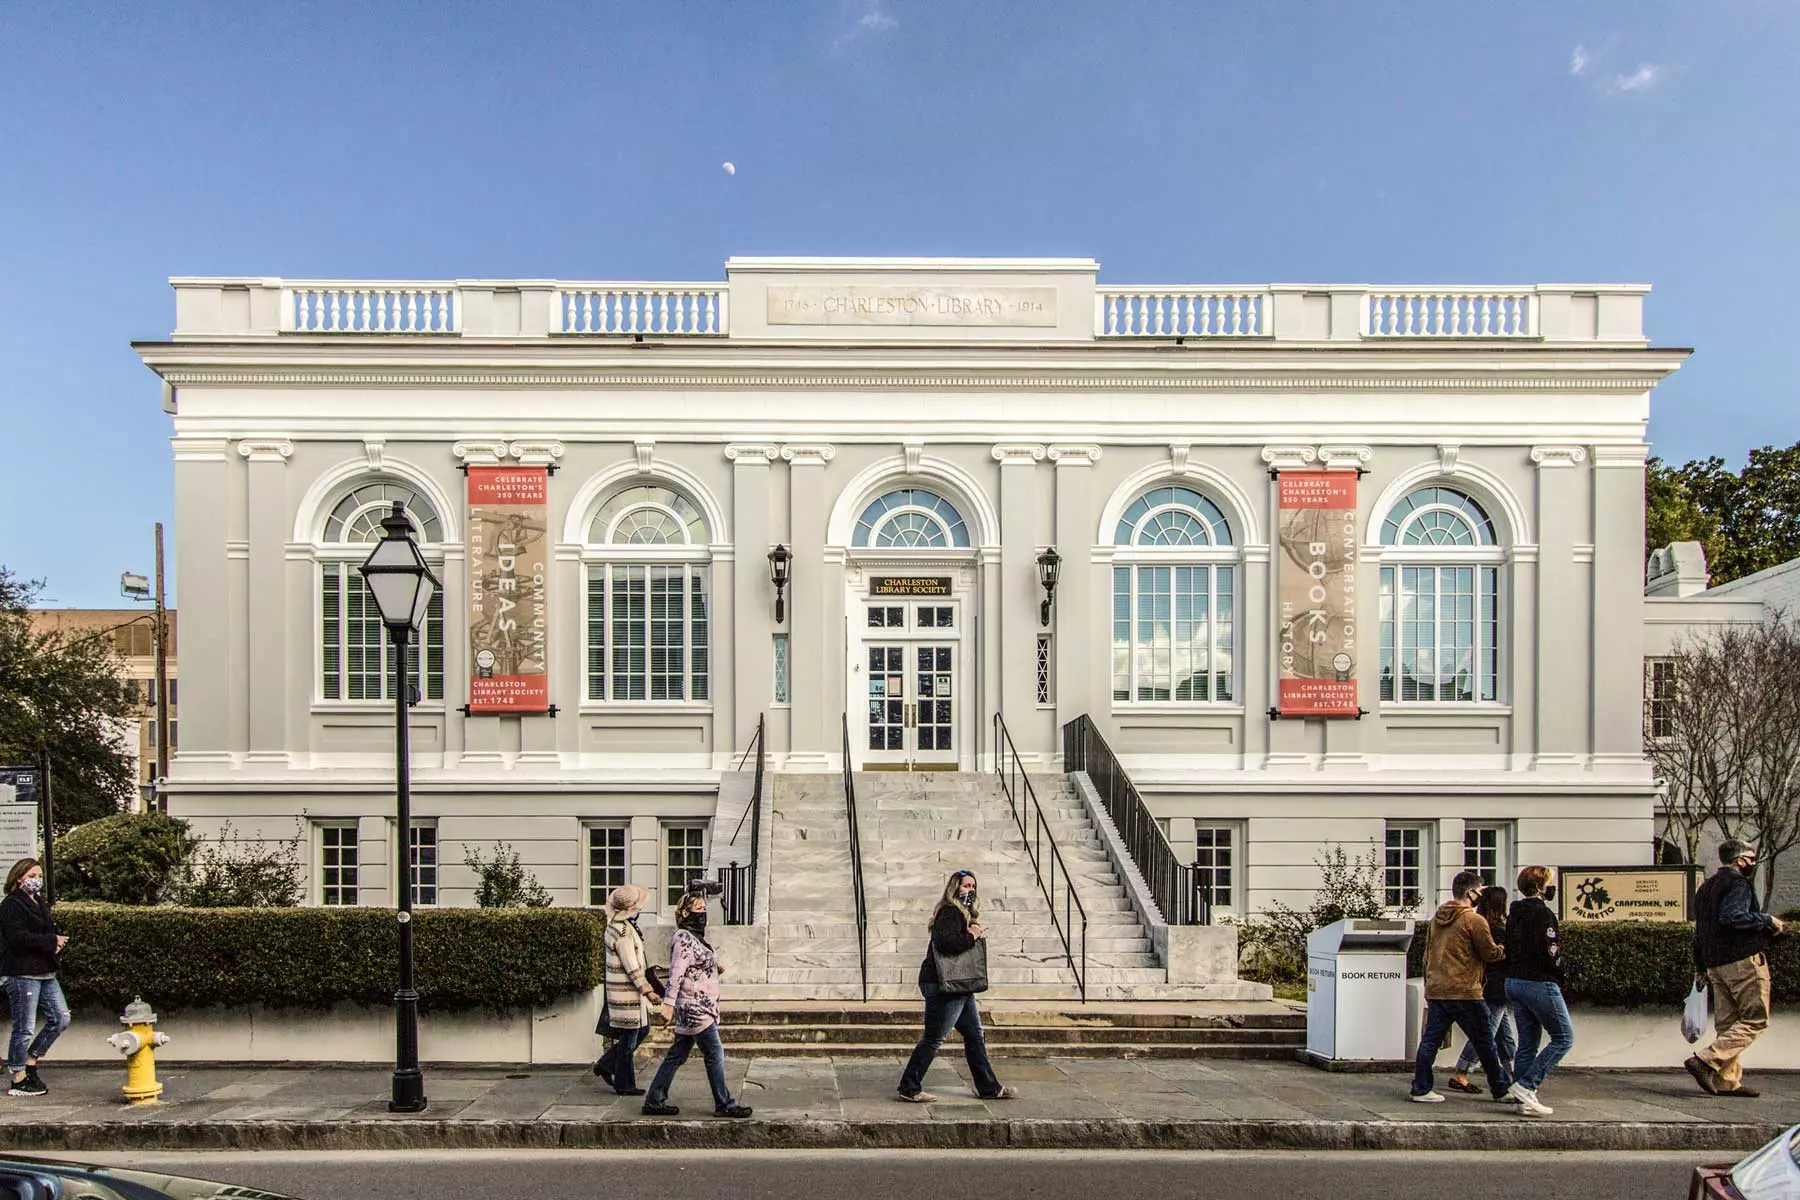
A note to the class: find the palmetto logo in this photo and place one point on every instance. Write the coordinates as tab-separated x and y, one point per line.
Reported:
1591	896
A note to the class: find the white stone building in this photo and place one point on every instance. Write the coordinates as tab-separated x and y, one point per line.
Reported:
921	420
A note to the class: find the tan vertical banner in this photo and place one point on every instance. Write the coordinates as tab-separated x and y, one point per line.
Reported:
1316	587
509	583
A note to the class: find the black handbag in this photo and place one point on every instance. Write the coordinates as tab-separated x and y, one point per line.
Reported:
962	974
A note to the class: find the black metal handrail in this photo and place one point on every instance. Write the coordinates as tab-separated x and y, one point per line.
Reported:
1038	840
856	871
1175	887
739	897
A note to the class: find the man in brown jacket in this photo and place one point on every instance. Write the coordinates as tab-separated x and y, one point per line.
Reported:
1458	948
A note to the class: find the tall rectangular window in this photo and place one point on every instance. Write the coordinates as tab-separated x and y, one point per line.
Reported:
337	865
608	861
1172	633
1215	858
648	632
357	657
781	668
684	857
1486	845
422	847
1659	698
1440	634
1406	868
1043	669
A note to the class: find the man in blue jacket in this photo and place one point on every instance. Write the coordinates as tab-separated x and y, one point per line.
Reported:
1730	934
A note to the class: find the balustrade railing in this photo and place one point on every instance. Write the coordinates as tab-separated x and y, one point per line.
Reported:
1180	312
371	308
739	898
1040	847
1451	313
1175	887
663	309
856	870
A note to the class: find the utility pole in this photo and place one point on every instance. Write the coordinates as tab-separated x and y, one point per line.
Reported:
162	677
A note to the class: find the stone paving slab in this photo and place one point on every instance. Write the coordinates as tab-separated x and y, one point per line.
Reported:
822	1102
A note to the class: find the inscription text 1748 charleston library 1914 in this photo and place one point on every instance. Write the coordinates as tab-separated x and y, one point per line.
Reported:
878	305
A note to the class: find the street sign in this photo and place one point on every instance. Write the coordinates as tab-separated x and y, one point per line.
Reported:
18	832
25	782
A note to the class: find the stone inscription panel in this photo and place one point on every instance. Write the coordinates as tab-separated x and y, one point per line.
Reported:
967	307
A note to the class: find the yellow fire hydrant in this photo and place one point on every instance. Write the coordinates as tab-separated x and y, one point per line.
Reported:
138	1042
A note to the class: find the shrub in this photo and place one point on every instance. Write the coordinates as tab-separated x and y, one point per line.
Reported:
240	873
502	882
313	958
128	858
1272	946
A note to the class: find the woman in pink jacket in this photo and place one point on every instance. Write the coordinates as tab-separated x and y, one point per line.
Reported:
691	1001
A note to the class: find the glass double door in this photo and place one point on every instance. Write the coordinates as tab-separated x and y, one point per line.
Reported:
910	671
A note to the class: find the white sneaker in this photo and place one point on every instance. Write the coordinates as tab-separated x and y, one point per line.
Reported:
1427	1098
1530	1105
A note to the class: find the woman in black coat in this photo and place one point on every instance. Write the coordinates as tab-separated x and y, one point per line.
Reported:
29	945
954	930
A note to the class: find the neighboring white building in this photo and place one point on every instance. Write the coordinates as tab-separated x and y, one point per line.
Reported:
929	420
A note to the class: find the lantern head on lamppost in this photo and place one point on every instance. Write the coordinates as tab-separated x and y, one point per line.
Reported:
780	562
398	576
1049	565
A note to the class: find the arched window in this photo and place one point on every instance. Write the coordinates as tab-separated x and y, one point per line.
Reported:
648	575
1174	591
911	519
1440	599
356	657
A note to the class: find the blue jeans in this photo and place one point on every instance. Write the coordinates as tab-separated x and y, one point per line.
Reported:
1506	1048
616	1060
942	1014
1538	1008
28	997
712	1052
1471	1016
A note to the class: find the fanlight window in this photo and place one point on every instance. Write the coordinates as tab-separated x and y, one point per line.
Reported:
1173	516
1437	516
911	518
357	517
648	516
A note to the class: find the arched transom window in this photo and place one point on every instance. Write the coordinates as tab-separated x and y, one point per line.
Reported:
356	657
911	519
1440	600
1174	593
648	577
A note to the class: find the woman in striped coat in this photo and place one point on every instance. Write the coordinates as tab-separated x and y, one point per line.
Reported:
629	995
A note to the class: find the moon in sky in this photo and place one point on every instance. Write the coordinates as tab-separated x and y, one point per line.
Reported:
730	168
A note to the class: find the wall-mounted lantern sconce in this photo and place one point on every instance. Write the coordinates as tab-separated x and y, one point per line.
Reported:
780	558
1049	565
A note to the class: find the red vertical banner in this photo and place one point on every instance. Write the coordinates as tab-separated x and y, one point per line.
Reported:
1316	589
509	587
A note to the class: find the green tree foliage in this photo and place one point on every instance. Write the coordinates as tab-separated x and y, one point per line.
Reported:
1272	946
127	858
235	872
64	692
502	883
1748	520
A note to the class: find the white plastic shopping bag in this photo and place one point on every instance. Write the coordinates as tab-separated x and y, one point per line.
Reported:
1769	1173
1694	1014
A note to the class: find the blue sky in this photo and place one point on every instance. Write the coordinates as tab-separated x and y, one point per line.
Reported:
1377	141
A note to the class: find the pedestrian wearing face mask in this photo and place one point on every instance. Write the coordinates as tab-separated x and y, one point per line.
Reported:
629	994
691	1001
1731	934
1534	982
955	926
29	945
1458	947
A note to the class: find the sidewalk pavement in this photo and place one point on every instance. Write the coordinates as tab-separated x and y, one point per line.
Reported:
821	1103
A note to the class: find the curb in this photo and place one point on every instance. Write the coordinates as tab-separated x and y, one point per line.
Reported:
398	1134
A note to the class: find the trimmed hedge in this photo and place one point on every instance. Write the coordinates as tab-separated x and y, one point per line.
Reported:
1625	964
313	958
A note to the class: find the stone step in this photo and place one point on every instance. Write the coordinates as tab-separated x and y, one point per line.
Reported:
1048	943
846	958
1266	1015
902	972
1008	1036
849	990
878	1050
995	921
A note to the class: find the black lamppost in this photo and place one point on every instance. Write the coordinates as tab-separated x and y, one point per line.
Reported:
780	559
402	584
1049	566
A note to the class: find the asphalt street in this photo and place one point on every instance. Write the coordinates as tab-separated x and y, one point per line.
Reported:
827	1175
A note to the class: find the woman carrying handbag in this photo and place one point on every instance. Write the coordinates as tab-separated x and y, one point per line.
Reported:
629	993
955	968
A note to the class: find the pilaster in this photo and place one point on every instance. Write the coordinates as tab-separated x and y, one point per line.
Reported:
1563	612
808	642
266	522
751	590
1076	690
1015	626
1618	558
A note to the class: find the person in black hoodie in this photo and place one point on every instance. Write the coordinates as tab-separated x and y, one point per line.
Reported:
1730	934
1534	979
954	928
29	945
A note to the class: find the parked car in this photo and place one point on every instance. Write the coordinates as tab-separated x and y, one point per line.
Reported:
1769	1173
23	1177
